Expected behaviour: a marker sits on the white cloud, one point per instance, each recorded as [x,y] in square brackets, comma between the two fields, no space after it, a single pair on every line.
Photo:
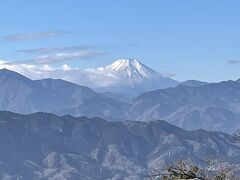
[93,78]
[44,50]
[66,67]
[62,57]
[59,57]
[65,72]
[34,36]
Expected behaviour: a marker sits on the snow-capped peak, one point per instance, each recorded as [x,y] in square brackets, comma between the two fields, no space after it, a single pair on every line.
[127,76]
[125,63]
[131,68]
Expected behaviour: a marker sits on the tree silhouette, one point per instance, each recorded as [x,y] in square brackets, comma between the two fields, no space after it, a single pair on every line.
[187,169]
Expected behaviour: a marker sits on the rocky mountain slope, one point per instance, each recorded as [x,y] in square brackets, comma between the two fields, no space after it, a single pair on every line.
[45,146]
[214,106]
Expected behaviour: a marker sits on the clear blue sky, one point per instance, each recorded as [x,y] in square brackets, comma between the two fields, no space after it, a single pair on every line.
[194,39]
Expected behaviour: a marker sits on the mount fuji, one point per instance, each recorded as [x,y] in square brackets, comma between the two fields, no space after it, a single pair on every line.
[131,69]
[129,77]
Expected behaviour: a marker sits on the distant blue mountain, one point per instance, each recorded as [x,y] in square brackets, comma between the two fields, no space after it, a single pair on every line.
[214,106]
[22,95]
[211,106]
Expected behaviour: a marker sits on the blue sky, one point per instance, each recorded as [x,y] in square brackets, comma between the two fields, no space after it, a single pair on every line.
[192,39]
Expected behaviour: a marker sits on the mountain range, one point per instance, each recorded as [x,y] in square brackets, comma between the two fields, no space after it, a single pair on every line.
[45,146]
[195,105]
[214,106]
[107,132]
[22,95]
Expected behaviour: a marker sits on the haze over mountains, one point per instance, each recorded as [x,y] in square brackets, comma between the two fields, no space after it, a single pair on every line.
[191,104]
[127,77]
[22,95]
[45,146]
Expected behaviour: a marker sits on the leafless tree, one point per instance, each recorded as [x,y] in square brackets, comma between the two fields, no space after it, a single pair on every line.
[187,169]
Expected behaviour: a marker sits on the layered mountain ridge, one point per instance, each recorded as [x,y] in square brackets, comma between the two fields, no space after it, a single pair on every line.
[22,95]
[213,106]
[131,142]
[45,146]
[210,106]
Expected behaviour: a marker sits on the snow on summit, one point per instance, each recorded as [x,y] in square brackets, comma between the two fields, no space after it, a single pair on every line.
[129,76]
[131,68]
